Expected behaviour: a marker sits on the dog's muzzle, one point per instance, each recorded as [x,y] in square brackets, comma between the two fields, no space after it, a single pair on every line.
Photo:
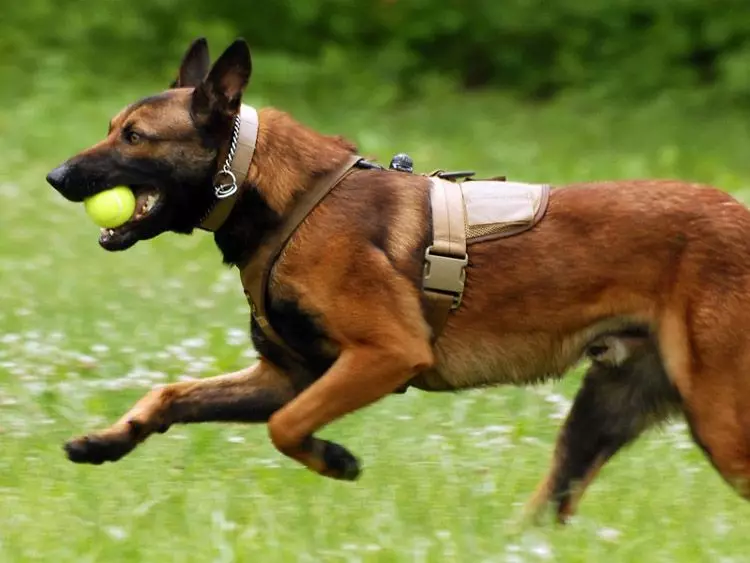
[58,178]
[75,183]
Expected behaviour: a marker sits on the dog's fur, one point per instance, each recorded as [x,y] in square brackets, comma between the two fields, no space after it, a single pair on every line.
[650,278]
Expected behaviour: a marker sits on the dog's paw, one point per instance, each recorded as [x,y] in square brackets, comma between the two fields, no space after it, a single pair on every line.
[340,464]
[97,449]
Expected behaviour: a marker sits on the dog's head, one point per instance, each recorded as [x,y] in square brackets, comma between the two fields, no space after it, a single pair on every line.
[165,147]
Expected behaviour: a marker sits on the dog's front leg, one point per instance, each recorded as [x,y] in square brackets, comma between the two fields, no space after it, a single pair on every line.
[249,395]
[361,375]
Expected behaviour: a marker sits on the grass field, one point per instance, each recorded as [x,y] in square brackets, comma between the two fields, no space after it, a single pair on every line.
[84,333]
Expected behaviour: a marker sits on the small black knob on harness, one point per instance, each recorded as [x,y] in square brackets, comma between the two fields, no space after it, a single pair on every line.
[402,162]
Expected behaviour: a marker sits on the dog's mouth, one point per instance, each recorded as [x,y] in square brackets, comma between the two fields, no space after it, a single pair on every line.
[144,223]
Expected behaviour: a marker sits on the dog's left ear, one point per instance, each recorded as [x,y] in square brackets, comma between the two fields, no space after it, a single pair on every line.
[220,94]
[194,66]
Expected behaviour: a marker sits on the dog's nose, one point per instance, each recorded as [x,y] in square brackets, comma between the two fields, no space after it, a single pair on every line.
[58,177]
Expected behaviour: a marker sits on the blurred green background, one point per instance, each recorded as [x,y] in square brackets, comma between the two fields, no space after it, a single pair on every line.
[535,49]
[540,91]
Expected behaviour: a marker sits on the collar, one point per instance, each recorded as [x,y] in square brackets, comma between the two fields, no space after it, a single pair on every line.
[233,174]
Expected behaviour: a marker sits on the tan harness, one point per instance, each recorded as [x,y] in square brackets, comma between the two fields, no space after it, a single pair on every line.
[256,272]
[445,259]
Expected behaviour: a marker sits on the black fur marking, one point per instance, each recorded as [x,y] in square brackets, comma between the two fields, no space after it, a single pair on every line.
[242,234]
[614,406]
[302,334]
[299,375]
[255,407]
[96,450]
[91,173]
[340,461]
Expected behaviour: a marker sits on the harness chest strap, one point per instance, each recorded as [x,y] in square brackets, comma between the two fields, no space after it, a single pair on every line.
[446,259]
[255,273]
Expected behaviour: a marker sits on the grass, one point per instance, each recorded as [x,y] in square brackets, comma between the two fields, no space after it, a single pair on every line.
[84,333]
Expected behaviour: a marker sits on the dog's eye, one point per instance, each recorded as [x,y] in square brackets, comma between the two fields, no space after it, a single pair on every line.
[131,137]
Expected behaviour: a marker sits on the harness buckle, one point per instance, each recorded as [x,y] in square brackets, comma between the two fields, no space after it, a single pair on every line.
[445,274]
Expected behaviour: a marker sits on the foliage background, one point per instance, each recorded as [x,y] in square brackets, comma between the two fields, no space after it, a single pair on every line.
[535,49]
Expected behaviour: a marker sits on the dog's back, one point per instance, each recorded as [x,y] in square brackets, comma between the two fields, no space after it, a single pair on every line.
[606,256]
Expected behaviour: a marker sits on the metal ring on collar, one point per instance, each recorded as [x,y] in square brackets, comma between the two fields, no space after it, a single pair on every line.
[226,189]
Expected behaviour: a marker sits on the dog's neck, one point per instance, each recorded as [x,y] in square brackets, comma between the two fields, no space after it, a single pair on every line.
[288,158]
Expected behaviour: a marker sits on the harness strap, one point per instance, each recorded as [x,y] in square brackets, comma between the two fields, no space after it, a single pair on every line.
[248,136]
[446,260]
[255,274]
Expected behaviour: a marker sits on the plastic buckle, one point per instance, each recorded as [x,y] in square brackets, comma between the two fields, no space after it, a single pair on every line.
[445,274]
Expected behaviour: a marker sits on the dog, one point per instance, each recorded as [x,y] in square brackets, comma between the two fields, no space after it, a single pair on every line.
[648,279]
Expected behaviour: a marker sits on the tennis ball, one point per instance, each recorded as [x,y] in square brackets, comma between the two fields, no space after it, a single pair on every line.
[111,208]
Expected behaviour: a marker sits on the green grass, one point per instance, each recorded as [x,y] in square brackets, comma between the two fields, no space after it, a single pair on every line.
[84,333]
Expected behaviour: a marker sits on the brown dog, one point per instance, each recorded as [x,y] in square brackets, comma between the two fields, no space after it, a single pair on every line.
[651,279]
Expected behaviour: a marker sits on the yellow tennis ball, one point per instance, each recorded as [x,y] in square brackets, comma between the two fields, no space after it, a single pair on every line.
[111,208]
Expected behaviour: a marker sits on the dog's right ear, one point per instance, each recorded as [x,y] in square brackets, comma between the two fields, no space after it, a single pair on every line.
[195,65]
[219,96]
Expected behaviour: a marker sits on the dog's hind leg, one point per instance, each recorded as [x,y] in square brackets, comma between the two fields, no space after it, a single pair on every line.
[616,403]
[249,395]
[708,357]
[717,409]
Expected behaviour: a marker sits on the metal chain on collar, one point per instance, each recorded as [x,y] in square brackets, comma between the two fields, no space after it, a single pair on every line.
[227,187]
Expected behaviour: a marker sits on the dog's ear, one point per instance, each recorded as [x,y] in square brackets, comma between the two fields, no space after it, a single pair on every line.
[195,65]
[220,94]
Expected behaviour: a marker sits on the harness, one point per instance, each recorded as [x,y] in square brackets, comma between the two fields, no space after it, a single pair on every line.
[445,259]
